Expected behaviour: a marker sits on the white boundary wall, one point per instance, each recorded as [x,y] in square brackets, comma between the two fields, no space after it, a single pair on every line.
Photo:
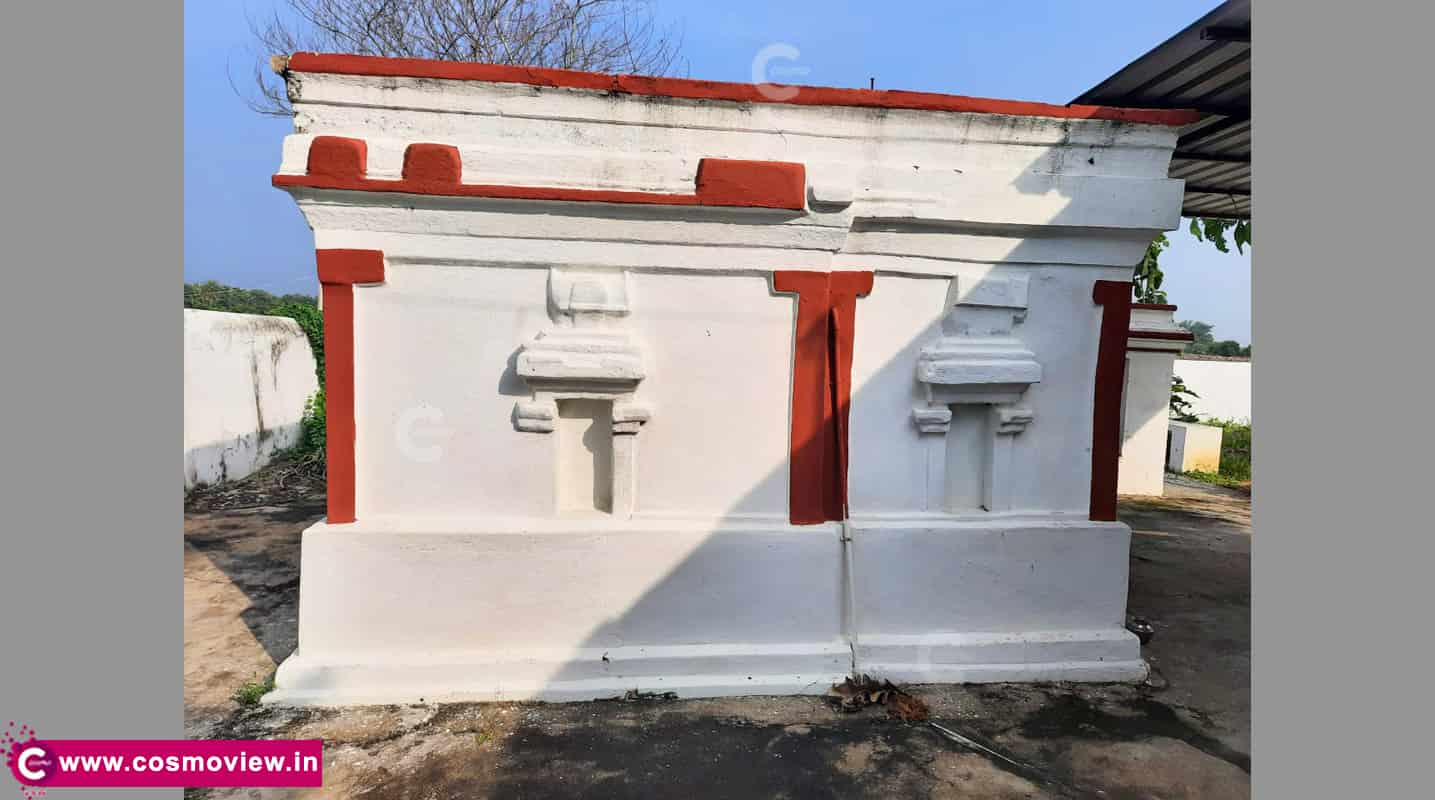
[1224,387]
[246,379]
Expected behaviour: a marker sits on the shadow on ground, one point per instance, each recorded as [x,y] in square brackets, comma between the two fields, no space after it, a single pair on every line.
[1185,733]
[241,601]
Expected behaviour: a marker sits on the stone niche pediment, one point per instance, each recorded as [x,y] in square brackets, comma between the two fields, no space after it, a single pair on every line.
[973,376]
[589,364]
[588,352]
[978,359]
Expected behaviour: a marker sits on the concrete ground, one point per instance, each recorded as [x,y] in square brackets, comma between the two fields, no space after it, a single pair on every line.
[1183,734]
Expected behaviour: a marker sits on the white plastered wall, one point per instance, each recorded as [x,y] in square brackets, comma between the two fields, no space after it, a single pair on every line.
[246,380]
[1224,388]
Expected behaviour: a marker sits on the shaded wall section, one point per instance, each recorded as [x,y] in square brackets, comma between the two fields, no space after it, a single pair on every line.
[246,379]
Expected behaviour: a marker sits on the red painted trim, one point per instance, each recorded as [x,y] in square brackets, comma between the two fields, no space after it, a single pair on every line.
[350,266]
[436,165]
[1115,299]
[821,390]
[1167,350]
[337,158]
[435,169]
[375,66]
[1172,336]
[1154,306]
[339,399]
[844,289]
[751,184]
[339,270]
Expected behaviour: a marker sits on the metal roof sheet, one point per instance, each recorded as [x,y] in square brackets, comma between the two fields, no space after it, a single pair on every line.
[1206,67]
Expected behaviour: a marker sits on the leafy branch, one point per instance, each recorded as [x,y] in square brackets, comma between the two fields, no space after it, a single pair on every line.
[1180,405]
[1146,282]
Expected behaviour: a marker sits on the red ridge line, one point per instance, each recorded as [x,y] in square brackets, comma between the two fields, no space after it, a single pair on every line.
[1174,336]
[376,66]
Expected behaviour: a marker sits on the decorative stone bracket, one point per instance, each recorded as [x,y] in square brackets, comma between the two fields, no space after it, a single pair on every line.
[1008,423]
[976,361]
[587,355]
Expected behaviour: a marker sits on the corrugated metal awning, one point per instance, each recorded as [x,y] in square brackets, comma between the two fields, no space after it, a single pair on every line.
[1206,67]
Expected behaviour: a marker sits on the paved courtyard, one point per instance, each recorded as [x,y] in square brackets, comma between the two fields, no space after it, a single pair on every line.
[1185,733]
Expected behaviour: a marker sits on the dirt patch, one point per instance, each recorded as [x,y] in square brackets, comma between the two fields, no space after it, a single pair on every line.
[967,775]
[856,758]
[241,604]
[1164,768]
[287,480]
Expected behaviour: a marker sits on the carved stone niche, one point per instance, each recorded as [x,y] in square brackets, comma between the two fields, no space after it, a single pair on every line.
[973,376]
[586,369]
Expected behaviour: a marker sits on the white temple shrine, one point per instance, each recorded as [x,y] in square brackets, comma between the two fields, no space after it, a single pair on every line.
[719,389]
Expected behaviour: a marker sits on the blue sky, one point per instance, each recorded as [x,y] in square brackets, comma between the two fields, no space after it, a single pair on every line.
[240,231]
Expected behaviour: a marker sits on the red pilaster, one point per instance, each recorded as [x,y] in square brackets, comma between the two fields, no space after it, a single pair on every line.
[339,270]
[1115,299]
[821,390]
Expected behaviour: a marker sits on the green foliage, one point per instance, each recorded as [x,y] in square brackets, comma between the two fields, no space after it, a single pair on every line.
[1214,231]
[1235,448]
[1200,330]
[313,430]
[250,693]
[1206,344]
[215,296]
[1228,347]
[1180,406]
[1146,283]
[1215,478]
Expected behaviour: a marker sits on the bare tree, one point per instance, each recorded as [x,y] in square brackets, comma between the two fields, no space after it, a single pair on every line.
[592,35]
